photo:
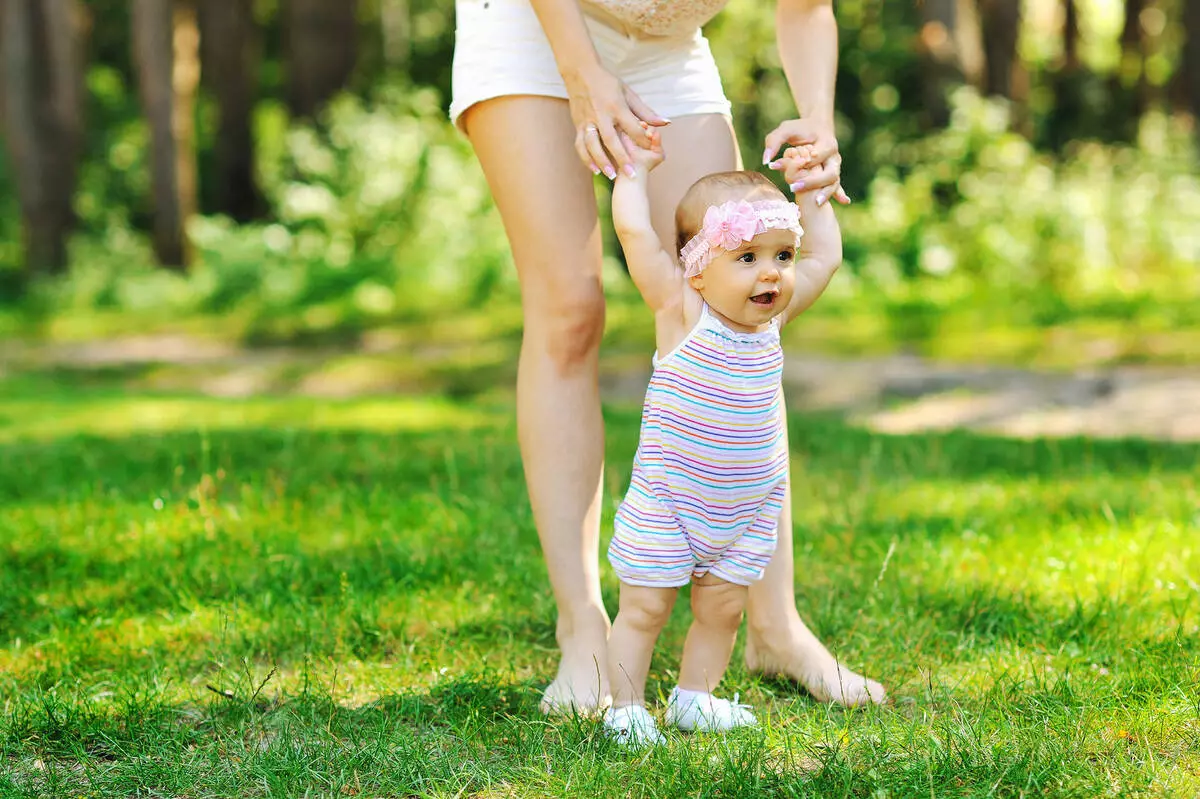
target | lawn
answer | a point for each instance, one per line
(285, 597)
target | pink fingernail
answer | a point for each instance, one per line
(820, 199)
(766, 156)
(595, 169)
(630, 171)
(774, 165)
(610, 173)
(798, 185)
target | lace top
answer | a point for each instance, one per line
(661, 17)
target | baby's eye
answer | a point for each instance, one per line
(746, 257)
(784, 255)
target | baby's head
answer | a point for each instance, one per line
(737, 236)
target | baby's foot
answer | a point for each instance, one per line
(696, 711)
(632, 725)
(809, 663)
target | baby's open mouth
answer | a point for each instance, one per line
(766, 298)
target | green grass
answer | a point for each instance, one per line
(286, 597)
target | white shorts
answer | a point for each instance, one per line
(500, 50)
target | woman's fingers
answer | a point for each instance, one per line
(642, 111)
(595, 150)
(610, 137)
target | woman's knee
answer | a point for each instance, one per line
(567, 322)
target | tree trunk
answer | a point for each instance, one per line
(1070, 36)
(230, 56)
(320, 50)
(165, 43)
(1068, 118)
(41, 105)
(1190, 66)
(1133, 57)
(1001, 24)
(940, 63)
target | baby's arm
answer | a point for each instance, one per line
(819, 255)
(652, 268)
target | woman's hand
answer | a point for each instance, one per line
(603, 108)
(812, 163)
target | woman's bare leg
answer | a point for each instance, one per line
(778, 641)
(547, 201)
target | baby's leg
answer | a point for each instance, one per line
(717, 607)
(642, 615)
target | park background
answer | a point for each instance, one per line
(262, 522)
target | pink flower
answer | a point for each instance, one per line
(729, 224)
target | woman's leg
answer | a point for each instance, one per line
(547, 202)
(778, 643)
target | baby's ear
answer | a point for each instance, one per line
(697, 282)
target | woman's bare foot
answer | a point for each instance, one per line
(797, 655)
(581, 685)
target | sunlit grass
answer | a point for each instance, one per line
(279, 596)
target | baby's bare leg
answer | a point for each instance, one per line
(717, 608)
(642, 614)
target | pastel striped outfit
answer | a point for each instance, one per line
(711, 466)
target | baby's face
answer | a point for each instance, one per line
(752, 284)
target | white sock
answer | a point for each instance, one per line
(686, 698)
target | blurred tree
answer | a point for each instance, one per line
(1190, 68)
(320, 51)
(1070, 36)
(1069, 115)
(938, 45)
(1131, 76)
(229, 56)
(41, 105)
(1000, 21)
(166, 44)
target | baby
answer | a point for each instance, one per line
(710, 474)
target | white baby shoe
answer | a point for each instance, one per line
(632, 725)
(695, 711)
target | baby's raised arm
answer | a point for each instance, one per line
(652, 268)
(819, 254)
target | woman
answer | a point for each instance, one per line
(543, 90)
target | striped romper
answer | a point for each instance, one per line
(710, 472)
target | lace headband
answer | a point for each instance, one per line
(727, 225)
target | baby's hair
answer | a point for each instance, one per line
(715, 189)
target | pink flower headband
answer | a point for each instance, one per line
(727, 225)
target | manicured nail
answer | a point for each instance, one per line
(775, 165)
(595, 169)
(798, 186)
(766, 156)
(820, 199)
(610, 173)
(630, 171)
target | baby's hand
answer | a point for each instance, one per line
(795, 165)
(643, 158)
